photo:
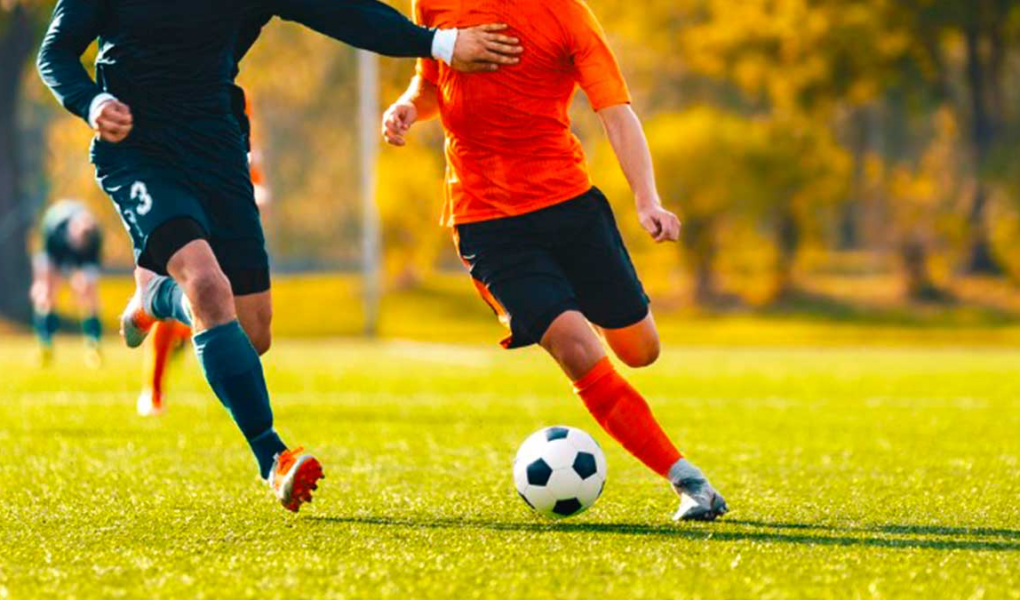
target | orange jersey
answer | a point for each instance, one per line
(509, 148)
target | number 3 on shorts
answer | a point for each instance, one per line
(140, 193)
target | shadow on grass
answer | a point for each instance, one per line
(781, 533)
(974, 532)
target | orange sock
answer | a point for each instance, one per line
(164, 336)
(625, 415)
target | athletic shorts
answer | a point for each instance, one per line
(67, 264)
(210, 193)
(531, 268)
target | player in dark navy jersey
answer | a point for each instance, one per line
(171, 153)
(72, 244)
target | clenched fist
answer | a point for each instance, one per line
(114, 121)
(661, 224)
(397, 122)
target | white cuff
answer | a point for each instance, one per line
(97, 103)
(443, 44)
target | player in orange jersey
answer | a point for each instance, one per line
(169, 337)
(540, 241)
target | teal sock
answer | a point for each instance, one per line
(92, 328)
(45, 325)
(167, 300)
(234, 371)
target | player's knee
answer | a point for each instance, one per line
(42, 296)
(209, 291)
(575, 352)
(639, 355)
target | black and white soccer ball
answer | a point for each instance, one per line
(560, 471)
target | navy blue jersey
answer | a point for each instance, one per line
(170, 61)
(57, 244)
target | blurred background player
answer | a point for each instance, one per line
(71, 246)
(169, 337)
(541, 242)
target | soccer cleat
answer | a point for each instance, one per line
(93, 356)
(294, 476)
(43, 356)
(698, 501)
(150, 404)
(135, 321)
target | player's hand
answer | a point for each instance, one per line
(661, 224)
(114, 121)
(397, 122)
(481, 48)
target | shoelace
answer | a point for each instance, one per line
(288, 458)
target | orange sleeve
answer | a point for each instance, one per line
(595, 67)
(426, 68)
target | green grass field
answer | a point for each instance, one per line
(851, 473)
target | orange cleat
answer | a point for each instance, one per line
(294, 477)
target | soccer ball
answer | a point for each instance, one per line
(560, 471)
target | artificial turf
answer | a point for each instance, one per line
(850, 473)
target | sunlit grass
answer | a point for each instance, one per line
(851, 472)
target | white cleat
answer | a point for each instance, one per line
(698, 501)
(149, 405)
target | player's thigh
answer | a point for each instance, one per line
(636, 345)
(236, 231)
(516, 274)
(153, 200)
(255, 312)
(85, 284)
(46, 280)
(599, 268)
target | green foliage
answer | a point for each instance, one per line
(721, 171)
(777, 127)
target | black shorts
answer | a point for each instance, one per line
(531, 268)
(177, 198)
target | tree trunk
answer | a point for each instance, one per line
(788, 236)
(920, 285)
(16, 43)
(980, 258)
(701, 248)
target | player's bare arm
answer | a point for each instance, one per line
(419, 103)
(631, 148)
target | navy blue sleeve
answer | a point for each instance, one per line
(75, 25)
(365, 24)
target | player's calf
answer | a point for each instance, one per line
(255, 312)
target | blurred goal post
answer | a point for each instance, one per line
(368, 154)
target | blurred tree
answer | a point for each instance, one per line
(924, 195)
(798, 62)
(410, 189)
(989, 30)
(716, 167)
(19, 23)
